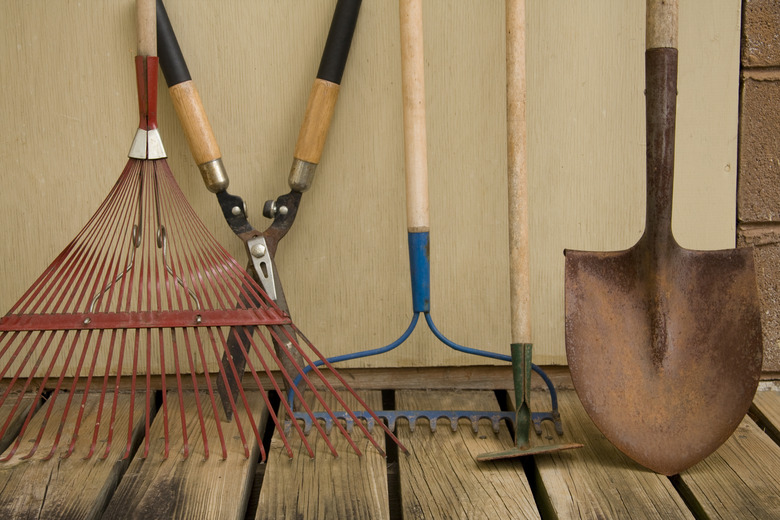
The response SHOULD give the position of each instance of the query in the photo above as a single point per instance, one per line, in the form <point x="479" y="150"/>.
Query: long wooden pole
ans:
<point x="519" y="259"/>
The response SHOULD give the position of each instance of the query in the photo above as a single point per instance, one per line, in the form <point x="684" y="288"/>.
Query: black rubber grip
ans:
<point x="171" y="59"/>
<point x="342" y="27"/>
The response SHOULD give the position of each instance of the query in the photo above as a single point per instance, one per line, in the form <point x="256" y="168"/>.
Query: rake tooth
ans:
<point x="537" y="419"/>
<point x="307" y="423"/>
<point x="475" y="424"/>
<point x="324" y="360"/>
<point x="496" y="420"/>
<point x="328" y="424"/>
<point x="454" y="422"/>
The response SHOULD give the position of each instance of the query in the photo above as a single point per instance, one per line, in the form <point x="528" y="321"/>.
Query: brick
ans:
<point x="758" y="193"/>
<point x="767" y="260"/>
<point x="761" y="33"/>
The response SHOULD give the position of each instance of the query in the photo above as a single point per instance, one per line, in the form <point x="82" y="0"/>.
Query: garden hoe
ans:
<point x="519" y="265"/>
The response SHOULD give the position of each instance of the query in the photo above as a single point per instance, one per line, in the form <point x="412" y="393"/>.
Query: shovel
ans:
<point x="663" y="343"/>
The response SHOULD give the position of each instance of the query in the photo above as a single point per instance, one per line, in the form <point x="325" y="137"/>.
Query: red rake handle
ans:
<point x="146" y="80"/>
<point x="147" y="143"/>
<point x="146" y="72"/>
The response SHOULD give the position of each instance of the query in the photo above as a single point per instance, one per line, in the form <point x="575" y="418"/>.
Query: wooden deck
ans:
<point x="438" y="479"/>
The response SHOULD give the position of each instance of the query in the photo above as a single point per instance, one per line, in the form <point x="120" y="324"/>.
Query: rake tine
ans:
<point x="133" y="388"/>
<point x="103" y="388"/>
<point x="196" y="391"/>
<point x="211" y="393"/>
<point x="246" y="402"/>
<point x="71" y="392"/>
<point x="23" y="392"/>
<point x="85" y="394"/>
<point x="223" y="373"/>
<point x="185" y="438"/>
<point x="164" y="392"/>
<point x="51" y="399"/>
<point x="351" y="391"/>
<point x="298" y="394"/>
<point x="307" y="426"/>
<point x="319" y="396"/>
<point x="112" y="420"/>
<point x="288" y="378"/>
<point x="270" y="409"/>
<point x="287" y="408"/>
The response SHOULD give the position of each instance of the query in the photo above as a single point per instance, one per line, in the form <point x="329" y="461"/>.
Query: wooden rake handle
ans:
<point x="146" y="31"/>
<point x="415" y="143"/>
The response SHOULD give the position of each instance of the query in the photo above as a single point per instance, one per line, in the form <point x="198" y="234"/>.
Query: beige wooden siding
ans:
<point x="69" y="115"/>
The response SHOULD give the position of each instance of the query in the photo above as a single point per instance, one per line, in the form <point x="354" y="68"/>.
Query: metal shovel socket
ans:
<point x="522" y="354"/>
<point x="663" y="343"/>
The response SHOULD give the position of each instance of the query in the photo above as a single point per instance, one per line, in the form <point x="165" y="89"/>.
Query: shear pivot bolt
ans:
<point x="258" y="250"/>
<point x="236" y="211"/>
<point x="269" y="209"/>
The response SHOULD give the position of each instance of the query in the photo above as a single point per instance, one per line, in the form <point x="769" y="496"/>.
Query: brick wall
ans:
<point x="758" y="192"/>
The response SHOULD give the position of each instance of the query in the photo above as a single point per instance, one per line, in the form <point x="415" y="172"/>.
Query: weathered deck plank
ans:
<point x="740" y="480"/>
<point x="441" y="477"/>
<point x="195" y="487"/>
<point x="72" y="487"/>
<point x="15" y="425"/>
<point x="766" y="405"/>
<point x="597" y="481"/>
<point x="326" y="487"/>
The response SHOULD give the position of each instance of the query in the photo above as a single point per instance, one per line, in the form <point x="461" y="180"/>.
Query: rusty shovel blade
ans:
<point x="663" y="343"/>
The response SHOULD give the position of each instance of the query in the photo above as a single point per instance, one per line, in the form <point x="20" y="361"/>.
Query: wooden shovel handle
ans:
<point x="415" y="143"/>
<point x="519" y="252"/>
<point x="661" y="22"/>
